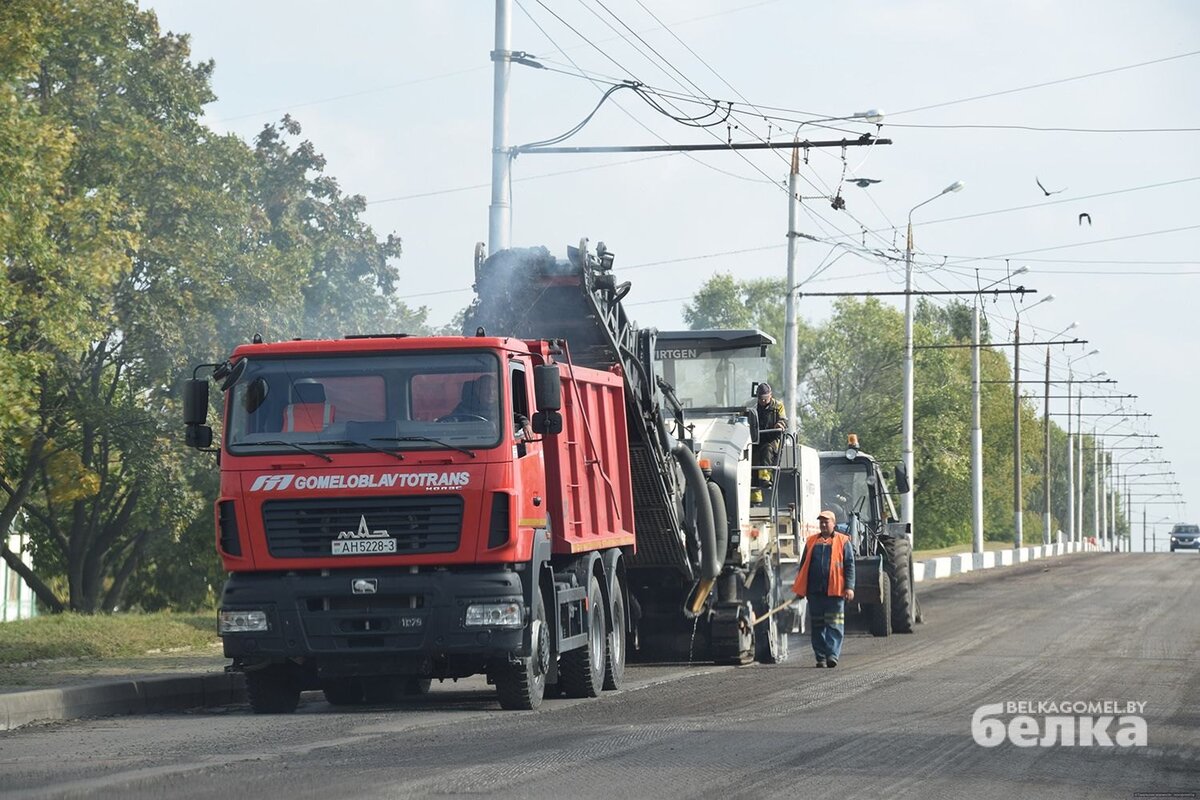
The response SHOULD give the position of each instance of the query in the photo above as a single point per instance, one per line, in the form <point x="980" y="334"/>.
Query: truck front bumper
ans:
<point x="386" y="620"/>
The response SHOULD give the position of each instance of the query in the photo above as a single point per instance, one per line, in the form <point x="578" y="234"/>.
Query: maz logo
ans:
<point x="268" y="483"/>
<point x="363" y="532"/>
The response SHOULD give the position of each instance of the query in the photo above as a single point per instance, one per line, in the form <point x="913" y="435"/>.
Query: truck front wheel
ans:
<point x="522" y="686"/>
<point x="273" y="690"/>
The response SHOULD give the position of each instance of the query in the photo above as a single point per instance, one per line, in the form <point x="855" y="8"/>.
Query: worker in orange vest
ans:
<point x="826" y="578"/>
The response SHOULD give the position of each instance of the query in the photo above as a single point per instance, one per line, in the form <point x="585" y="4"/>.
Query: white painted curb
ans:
<point x="957" y="564"/>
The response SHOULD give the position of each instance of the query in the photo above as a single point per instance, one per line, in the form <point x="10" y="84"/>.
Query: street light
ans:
<point x="1079" y="428"/>
<point x="1101" y="484"/>
<point x="906" y="500"/>
<point x="976" y="424"/>
<point x="1073" y="533"/>
<point x="1018" y="502"/>
<point x="1046" y="444"/>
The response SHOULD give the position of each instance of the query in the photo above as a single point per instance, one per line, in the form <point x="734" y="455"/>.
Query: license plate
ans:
<point x="362" y="547"/>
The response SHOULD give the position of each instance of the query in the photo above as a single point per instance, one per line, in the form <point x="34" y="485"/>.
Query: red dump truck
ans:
<point x="520" y="502"/>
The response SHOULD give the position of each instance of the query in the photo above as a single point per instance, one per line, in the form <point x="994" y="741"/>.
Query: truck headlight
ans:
<point x="494" y="615"/>
<point x="242" y="622"/>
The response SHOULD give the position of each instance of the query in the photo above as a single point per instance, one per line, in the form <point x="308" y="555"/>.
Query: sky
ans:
<point x="1096" y="101"/>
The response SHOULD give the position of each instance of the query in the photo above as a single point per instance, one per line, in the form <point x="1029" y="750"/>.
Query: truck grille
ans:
<point x="306" y="528"/>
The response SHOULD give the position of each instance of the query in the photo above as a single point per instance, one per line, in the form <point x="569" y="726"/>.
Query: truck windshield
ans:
<point x="712" y="378"/>
<point x="846" y="489"/>
<point x="344" y="403"/>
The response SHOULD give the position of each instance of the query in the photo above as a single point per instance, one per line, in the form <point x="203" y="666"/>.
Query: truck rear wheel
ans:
<point x="899" y="569"/>
<point x="342" y="691"/>
<point x="581" y="671"/>
<point x="522" y="686"/>
<point x="614" y="662"/>
<point x="880" y="616"/>
<point x="272" y="690"/>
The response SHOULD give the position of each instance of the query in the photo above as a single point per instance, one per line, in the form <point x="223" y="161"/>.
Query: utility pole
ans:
<point x="976" y="439"/>
<point x="1070" y="466"/>
<point x="1018" y="538"/>
<point x="1097" y="484"/>
<point x="789" y="323"/>
<point x="1103" y="492"/>
<point x="1046" y="459"/>
<point x="499" y="212"/>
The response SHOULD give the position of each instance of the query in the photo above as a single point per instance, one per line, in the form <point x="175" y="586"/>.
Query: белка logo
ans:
<point x="1064" y="723"/>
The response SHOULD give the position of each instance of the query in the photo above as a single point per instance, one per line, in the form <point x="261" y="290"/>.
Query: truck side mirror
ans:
<point x="195" y="402"/>
<point x="550" y="422"/>
<point x="901" y="480"/>
<point x="199" y="436"/>
<point x="547" y="387"/>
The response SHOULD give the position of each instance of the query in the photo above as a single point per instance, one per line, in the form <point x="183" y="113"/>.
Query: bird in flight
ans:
<point x="1084" y="215"/>
<point x="1046" y="191"/>
<point x="863" y="183"/>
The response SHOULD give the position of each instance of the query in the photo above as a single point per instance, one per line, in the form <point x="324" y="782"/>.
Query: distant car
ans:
<point x="1185" y="537"/>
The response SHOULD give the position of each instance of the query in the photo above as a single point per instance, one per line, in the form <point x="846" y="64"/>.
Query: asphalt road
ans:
<point x="893" y="720"/>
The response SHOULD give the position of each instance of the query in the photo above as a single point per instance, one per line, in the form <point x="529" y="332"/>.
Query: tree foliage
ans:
<point x="850" y="381"/>
<point x="136" y="241"/>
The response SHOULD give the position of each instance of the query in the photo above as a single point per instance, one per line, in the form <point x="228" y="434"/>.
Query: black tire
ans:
<point x="521" y="687"/>
<point x="273" y="690"/>
<point x="879" y="617"/>
<point x="770" y="637"/>
<point x="342" y="691"/>
<point x="413" y="686"/>
<point x="581" y="671"/>
<point x="899" y="571"/>
<point x="614" y="652"/>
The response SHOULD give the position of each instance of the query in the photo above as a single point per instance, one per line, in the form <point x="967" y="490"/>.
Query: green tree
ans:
<point x="160" y="244"/>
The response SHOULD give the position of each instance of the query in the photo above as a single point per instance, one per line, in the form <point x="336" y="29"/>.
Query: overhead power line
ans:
<point x="1044" y="84"/>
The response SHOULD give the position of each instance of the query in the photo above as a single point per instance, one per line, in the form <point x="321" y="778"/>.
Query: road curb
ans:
<point x="129" y="696"/>
<point x="948" y="566"/>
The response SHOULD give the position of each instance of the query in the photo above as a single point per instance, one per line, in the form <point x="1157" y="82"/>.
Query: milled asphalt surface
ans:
<point x="893" y="720"/>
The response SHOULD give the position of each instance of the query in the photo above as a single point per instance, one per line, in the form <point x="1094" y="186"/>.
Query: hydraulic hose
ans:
<point x="720" y="522"/>
<point x="710" y="563"/>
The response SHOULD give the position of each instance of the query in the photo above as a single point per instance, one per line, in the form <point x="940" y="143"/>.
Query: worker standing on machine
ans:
<point x="772" y="422"/>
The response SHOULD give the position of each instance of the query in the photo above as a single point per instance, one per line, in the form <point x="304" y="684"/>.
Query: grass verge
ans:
<point x="954" y="549"/>
<point x="103" y="636"/>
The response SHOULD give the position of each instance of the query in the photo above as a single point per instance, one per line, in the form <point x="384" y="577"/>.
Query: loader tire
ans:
<point x="879" y="617"/>
<point x="904" y="596"/>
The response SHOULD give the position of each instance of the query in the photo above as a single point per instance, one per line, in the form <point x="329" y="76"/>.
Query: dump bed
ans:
<point x="588" y="484"/>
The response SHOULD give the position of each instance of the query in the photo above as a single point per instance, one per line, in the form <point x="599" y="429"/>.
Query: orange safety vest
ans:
<point x="837" y="578"/>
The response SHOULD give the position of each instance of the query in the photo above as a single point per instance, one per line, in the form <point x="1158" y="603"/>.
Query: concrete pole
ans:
<point x="789" y="323"/>
<point x="1144" y="528"/>
<point x="1070" y="469"/>
<point x="1102" y="491"/>
<point x="1046" y="533"/>
<point x="906" y="500"/>
<point x="1018" y="534"/>
<point x="976" y="439"/>
<point x="1079" y="488"/>
<point x="1096" y="483"/>
<point x="499" y="212"/>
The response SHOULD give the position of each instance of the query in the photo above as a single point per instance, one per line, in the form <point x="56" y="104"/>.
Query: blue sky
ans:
<point x="398" y="97"/>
